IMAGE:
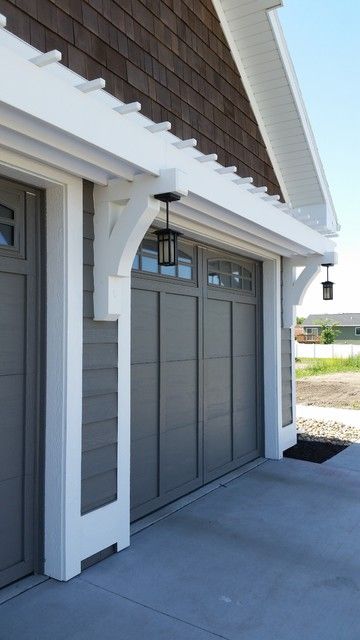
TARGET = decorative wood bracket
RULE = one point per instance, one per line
(295, 287)
(123, 212)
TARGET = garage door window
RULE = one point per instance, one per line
(6, 226)
(146, 260)
(230, 275)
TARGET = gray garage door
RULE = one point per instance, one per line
(196, 407)
(19, 372)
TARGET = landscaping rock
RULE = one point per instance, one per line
(329, 430)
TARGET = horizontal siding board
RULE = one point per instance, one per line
(99, 356)
(88, 196)
(88, 226)
(88, 304)
(100, 407)
(100, 382)
(88, 278)
(285, 360)
(286, 375)
(99, 461)
(99, 434)
(98, 332)
(98, 490)
(88, 252)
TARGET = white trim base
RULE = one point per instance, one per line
(287, 437)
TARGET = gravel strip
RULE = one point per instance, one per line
(327, 430)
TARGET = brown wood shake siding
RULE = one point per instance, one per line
(171, 55)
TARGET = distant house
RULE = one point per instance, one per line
(348, 327)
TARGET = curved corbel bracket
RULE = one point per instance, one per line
(123, 213)
(295, 287)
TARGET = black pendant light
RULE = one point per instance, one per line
(167, 238)
(328, 286)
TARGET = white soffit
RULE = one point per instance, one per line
(259, 49)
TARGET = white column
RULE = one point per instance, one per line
(272, 357)
(63, 379)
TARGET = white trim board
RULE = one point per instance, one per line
(258, 46)
(64, 319)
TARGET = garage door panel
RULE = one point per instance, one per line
(144, 400)
(19, 368)
(217, 380)
(181, 393)
(144, 470)
(217, 328)
(11, 425)
(180, 332)
(144, 326)
(194, 384)
(180, 456)
(218, 442)
(11, 526)
(12, 325)
(245, 431)
(244, 329)
(244, 383)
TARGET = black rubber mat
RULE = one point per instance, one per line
(314, 450)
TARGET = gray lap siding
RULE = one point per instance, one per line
(286, 374)
(99, 423)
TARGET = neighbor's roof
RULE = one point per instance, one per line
(259, 49)
(343, 319)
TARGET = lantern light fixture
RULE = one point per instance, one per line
(167, 238)
(327, 284)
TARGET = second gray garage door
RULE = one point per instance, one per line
(196, 407)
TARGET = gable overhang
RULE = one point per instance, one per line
(258, 46)
(46, 117)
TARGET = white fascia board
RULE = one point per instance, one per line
(249, 211)
(273, 89)
(236, 55)
(301, 109)
(43, 106)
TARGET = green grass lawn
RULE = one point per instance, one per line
(319, 366)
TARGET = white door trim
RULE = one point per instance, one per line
(63, 413)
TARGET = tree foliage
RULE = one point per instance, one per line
(328, 331)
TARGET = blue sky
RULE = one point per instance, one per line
(323, 39)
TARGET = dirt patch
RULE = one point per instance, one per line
(340, 390)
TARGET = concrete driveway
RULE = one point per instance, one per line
(272, 555)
